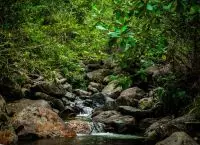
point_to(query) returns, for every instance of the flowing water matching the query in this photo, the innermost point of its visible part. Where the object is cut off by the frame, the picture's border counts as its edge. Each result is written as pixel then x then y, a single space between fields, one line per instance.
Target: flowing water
pixel 97 136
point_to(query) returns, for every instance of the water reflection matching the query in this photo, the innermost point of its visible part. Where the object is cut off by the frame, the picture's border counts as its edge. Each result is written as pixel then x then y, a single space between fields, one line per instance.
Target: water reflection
pixel 86 140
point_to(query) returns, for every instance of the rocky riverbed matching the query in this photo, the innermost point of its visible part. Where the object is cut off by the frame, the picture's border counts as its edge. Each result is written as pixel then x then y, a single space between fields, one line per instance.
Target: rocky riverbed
pixel 43 109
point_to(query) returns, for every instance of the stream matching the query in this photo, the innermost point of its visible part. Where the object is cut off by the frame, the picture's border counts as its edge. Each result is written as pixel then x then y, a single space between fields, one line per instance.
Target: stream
pixel 97 137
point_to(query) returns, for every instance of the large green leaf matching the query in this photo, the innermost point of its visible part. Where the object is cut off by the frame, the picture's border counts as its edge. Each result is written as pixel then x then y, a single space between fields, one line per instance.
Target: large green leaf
pixel 149 7
pixel 101 28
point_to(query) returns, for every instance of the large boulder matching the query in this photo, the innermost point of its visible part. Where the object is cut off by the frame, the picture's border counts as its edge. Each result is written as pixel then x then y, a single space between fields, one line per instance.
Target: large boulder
pixel 39 122
pixel 135 112
pixel 50 88
pixel 82 93
pixel 54 102
pixel 103 100
pixel 165 127
pixel 178 138
pixel 79 126
pixel 98 75
pixel 18 106
pixel 130 96
pixel 115 122
pixel 112 89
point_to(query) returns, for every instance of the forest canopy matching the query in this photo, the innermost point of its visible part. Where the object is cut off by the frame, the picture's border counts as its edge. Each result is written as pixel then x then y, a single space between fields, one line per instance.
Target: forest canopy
pixel 51 37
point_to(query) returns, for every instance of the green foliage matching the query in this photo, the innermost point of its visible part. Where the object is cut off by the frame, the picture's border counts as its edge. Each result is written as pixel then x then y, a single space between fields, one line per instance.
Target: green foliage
pixel 122 80
pixel 51 37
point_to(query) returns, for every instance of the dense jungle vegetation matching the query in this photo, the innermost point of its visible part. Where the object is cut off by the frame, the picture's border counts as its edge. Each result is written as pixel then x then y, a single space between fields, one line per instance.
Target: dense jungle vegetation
pixel 51 37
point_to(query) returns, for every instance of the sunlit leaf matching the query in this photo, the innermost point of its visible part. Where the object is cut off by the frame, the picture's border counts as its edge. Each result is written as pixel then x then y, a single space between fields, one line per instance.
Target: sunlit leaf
pixel 101 28
pixel 149 7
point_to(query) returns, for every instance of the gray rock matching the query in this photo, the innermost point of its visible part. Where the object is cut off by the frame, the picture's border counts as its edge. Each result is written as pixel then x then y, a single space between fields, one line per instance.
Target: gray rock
pixel 165 127
pixel 103 100
pixel 92 89
pixel 82 93
pixel 67 86
pixel 98 86
pixel 54 102
pixel 178 138
pixel 98 75
pixel 65 101
pixel 130 96
pixel 137 113
pixel 70 96
pixel 49 88
pixel 19 105
pixel 112 89
pixel 115 122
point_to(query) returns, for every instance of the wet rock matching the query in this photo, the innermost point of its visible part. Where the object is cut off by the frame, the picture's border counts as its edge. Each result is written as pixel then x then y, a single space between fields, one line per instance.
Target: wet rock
pixel 145 103
pixel 115 122
pixel 137 113
pixel 88 103
pixel 178 138
pixel 82 93
pixel 68 112
pixel 103 100
pixel 54 102
pixel 130 96
pixel 70 96
pixel 98 75
pixel 39 122
pixel 113 90
pixel 65 101
pixel 79 126
pixel 67 86
pixel 49 88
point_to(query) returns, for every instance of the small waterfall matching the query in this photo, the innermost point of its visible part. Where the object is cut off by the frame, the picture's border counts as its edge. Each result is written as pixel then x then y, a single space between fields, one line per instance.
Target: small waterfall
pixel 86 112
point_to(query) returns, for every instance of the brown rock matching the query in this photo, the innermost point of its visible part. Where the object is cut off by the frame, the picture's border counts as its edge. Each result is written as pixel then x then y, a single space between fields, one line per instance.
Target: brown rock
pixel 8 137
pixel 79 126
pixel 178 138
pixel 39 122
pixel 18 106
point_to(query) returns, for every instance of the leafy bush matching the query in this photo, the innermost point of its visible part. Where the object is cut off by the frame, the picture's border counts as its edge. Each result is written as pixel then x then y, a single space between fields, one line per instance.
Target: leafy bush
pixel 51 37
